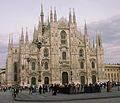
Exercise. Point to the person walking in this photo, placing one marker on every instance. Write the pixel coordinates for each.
(30, 90)
(40, 89)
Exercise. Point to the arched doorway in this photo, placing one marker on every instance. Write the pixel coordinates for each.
(33, 81)
(82, 79)
(64, 78)
(46, 80)
(93, 79)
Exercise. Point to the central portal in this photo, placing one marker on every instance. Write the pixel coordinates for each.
(46, 80)
(33, 81)
(64, 78)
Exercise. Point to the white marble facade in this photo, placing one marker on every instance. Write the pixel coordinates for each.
(66, 55)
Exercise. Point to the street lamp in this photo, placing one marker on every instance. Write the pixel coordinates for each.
(38, 44)
(28, 60)
(71, 77)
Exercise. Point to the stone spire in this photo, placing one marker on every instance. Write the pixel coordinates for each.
(9, 44)
(39, 25)
(51, 15)
(55, 15)
(98, 44)
(48, 18)
(98, 40)
(70, 17)
(86, 34)
(34, 34)
(9, 39)
(22, 37)
(26, 38)
(42, 15)
(85, 29)
(12, 40)
(74, 17)
(93, 44)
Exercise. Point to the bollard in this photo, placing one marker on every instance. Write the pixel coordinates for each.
(118, 88)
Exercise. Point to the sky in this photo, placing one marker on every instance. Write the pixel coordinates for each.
(99, 14)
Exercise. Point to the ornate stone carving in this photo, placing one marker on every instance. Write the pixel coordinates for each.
(62, 23)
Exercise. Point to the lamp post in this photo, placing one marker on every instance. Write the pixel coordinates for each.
(71, 77)
(38, 44)
(28, 60)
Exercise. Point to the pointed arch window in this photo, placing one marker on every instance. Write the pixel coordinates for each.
(46, 52)
(82, 65)
(46, 65)
(33, 65)
(81, 53)
(64, 55)
(63, 37)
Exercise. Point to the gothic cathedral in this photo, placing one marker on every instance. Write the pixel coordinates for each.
(58, 53)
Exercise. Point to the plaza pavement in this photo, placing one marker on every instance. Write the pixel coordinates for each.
(48, 97)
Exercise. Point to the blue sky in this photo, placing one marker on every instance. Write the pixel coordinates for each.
(15, 14)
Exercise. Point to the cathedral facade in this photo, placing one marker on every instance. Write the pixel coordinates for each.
(58, 53)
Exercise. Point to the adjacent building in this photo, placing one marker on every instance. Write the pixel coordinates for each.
(2, 77)
(112, 72)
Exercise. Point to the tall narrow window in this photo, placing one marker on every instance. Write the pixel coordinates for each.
(82, 65)
(46, 65)
(63, 37)
(33, 65)
(64, 55)
(81, 53)
(117, 75)
(46, 52)
(93, 64)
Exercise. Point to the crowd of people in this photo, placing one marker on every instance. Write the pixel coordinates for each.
(72, 88)
(3, 88)
(43, 89)
(66, 88)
